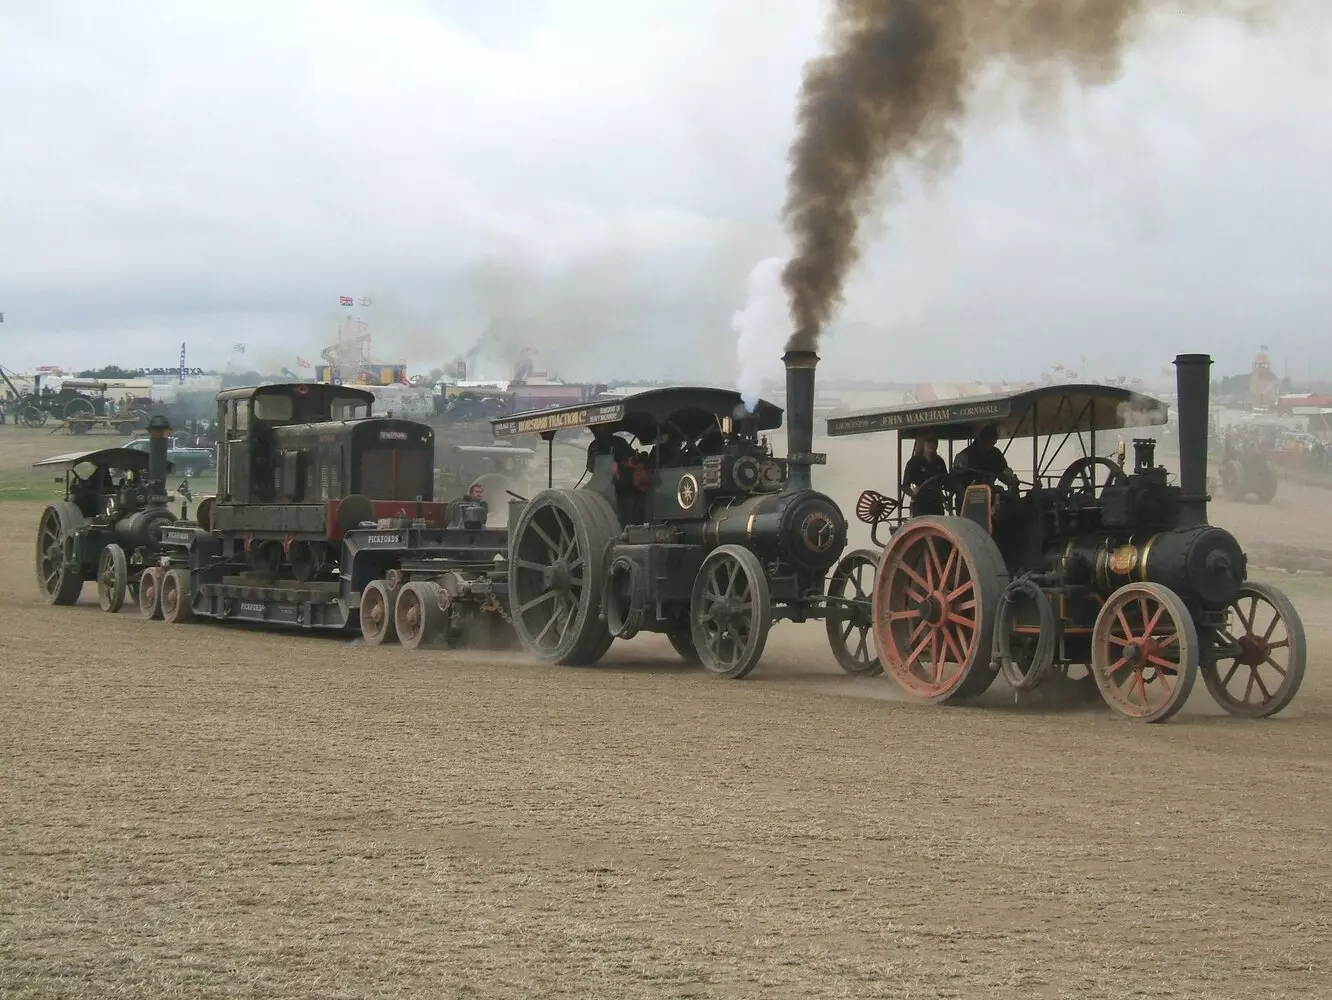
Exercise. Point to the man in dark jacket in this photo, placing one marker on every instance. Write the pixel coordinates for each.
(982, 461)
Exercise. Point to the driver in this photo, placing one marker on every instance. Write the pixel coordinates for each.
(605, 442)
(923, 478)
(982, 461)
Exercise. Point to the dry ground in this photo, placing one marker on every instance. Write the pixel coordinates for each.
(210, 812)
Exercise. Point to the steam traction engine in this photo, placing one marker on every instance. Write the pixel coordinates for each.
(109, 523)
(1101, 567)
(686, 524)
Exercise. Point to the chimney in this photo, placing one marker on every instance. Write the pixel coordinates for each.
(159, 434)
(1193, 384)
(800, 367)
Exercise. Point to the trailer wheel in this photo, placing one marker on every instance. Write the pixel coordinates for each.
(851, 629)
(126, 427)
(112, 578)
(176, 602)
(557, 568)
(935, 599)
(1264, 656)
(1145, 652)
(421, 616)
(150, 593)
(731, 612)
(61, 582)
(377, 624)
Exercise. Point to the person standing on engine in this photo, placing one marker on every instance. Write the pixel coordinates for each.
(924, 477)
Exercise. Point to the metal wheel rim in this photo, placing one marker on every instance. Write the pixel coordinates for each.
(374, 609)
(728, 613)
(150, 594)
(410, 616)
(549, 594)
(112, 579)
(863, 657)
(1254, 658)
(1144, 653)
(50, 554)
(931, 613)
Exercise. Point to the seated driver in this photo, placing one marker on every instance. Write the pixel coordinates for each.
(982, 461)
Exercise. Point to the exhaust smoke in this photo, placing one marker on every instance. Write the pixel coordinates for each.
(894, 87)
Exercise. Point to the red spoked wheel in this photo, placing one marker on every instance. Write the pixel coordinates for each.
(1257, 664)
(935, 598)
(1145, 652)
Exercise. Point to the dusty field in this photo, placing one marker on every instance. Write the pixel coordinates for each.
(208, 812)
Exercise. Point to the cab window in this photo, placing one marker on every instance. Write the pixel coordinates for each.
(348, 408)
(273, 409)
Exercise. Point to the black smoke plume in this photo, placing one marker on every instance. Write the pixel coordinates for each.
(895, 86)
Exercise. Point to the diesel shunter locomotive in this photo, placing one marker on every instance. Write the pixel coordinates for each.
(325, 518)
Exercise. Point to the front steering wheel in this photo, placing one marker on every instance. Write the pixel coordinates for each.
(1079, 479)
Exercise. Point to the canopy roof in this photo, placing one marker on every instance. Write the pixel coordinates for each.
(127, 459)
(1043, 411)
(691, 409)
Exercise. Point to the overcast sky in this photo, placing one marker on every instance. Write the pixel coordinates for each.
(597, 178)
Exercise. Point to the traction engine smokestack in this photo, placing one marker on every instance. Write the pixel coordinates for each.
(800, 367)
(159, 434)
(1193, 385)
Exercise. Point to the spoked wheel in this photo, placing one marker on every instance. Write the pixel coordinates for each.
(1255, 669)
(176, 601)
(731, 611)
(935, 599)
(422, 617)
(377, 624)
(1145, 652)
(112, 578)
(150, 593)
(61, 581)
(851, 627)
(557, 569)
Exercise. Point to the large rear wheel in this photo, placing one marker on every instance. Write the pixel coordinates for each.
(1145, 652)
(60, 578)
(1257, 664)
(935, 599)
(557, 554)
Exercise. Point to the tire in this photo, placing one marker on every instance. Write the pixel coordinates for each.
(61, 582)
(112, 578)
(150, 593)
(730, 639)
(1257, 648)
(557, 568)
(1146, 651)
(937, 590)
(177, 602)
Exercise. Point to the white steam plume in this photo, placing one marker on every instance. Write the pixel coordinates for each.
(762, 327)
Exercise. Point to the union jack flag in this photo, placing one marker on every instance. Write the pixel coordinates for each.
(302, 363)
(346, 300)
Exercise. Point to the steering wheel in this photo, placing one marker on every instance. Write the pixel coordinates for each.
(1079, 479)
